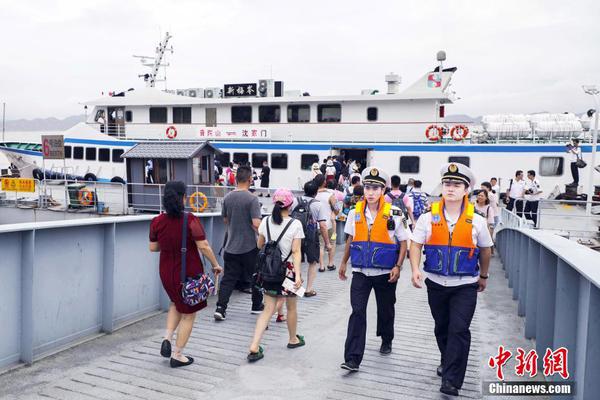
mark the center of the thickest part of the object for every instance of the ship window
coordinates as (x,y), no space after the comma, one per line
(211,117)
(409,164)
(279,160)
(372,114)
(182,115)
(258,158)
(551,166)
(241,114)
(460,159)
(298,113)
(67,151)
(78,153)
(307,160)
(158,115)
(240,158)
(90,153)
(116,155)
(128,116)
(224,158)
(329,112)
(104,155)
(269,113)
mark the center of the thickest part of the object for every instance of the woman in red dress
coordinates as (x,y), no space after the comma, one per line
(166,238)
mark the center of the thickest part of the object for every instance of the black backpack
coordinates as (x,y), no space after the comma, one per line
(270,265)
(398,201)
(303,214)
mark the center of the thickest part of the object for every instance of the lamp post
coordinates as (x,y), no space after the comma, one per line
(594,92)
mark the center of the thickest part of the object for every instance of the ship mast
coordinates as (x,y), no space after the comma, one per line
(151,78)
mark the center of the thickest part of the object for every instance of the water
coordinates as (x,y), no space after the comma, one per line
(23,136)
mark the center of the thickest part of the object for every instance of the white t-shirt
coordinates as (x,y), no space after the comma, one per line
(517,189)
(330,170)
(324,197)
(575,153)
(481,238)
(494,202)
(534,186)
(488,212)
(399,233)
(295,231)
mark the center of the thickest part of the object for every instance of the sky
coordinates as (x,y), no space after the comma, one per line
(512,56)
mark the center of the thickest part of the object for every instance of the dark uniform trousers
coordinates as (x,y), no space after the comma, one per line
(238,267)
(452,308)
(385,295)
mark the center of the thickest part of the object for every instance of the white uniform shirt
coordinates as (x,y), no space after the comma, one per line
(575,153)
(481,238)
(517,189)
(399,233)
(535,187)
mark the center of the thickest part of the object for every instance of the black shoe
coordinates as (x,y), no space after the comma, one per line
(448,388)
(350,366)
(386,348)
(175,363)
(257,310)
(219,314)
(439,370)
(165,348)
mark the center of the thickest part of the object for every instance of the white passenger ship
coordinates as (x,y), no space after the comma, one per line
(256,121)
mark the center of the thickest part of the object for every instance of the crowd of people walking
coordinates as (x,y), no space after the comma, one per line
(383,218)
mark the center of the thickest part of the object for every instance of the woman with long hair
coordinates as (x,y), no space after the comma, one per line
(483,206)
(290,247)
(166,237)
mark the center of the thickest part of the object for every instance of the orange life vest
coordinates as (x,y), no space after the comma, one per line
(452,254)
(373,248)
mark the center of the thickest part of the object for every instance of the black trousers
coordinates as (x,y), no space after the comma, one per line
(515,204)
(531,211)
(237,268)
(385,295)
(575,173)
(452,309)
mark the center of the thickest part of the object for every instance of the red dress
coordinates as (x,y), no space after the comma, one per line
(166,231)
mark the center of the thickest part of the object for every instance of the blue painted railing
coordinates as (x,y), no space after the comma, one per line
(557,285)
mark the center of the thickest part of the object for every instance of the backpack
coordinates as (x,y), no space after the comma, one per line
(269,263)
(303,214)
(420,203)
(398,201)
(230,177)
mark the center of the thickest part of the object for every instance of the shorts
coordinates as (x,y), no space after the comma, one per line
(310,251)
(330,234)
(275,289)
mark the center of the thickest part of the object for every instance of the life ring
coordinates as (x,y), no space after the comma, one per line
(459,132)
(171,132)
(85,197)
(434,137)
(198,207)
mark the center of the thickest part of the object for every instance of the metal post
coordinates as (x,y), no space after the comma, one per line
(3,118)
(594,92)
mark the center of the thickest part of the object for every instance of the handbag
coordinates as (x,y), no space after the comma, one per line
(580,163)
(194,290)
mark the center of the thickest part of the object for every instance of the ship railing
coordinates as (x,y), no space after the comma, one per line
(568,217)
(556,283)
(19,198)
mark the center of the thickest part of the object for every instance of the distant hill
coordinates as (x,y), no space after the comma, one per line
(41,124)
(462,118)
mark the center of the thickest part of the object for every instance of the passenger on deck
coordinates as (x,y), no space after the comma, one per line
(328,200)
(457,256)
(166,238)
(533,194)
(376,245)
(515,193)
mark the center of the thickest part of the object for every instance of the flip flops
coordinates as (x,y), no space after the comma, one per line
(310,293)
(331,267)
(299,344)
(252,357)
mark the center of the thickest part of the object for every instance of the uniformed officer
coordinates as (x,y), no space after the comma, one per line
(376,245)
(457,256)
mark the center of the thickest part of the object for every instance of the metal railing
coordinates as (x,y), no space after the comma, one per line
(557,285)
(568,216)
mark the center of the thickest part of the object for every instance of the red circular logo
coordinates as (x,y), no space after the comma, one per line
(171,132)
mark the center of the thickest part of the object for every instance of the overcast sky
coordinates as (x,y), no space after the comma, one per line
(512,56)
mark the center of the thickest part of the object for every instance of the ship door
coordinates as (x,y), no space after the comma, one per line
(116,121)
(360,155)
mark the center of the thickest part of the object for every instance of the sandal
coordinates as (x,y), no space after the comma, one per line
(252,357)
(299,344)
(280,318)
(310,293)
(321,269)
(331,267)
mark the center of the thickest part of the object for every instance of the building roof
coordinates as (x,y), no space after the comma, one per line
(170,150)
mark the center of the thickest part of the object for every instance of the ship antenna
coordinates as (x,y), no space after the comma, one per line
(151,78)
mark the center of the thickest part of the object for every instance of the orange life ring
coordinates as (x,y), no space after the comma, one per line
(434,137)
(459,132)
(194,204)
(171,132)
(85,197)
